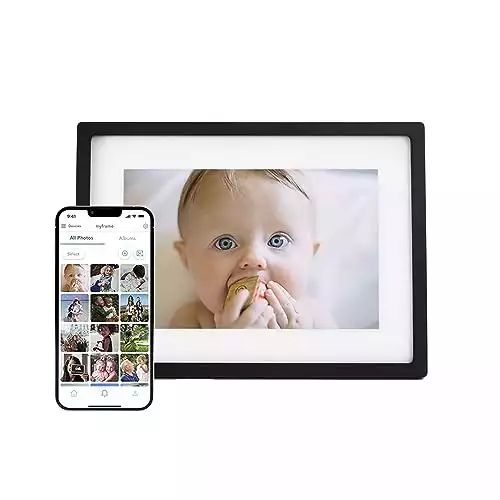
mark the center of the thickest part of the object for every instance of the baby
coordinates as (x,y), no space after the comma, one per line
(109,310)
(99,374)
(237,224)
(74,278)
(103,281)
(142,368)
(111,371)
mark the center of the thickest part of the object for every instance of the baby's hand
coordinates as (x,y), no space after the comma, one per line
(288,311)
(76,285)
(257,315)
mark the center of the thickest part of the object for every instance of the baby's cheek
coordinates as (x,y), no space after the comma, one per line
(211,291)
(293,279)
(212,298)
(210,276)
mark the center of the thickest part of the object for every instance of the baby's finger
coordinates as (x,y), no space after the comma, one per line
(272,323)
(286,302)
(250,315)
(279,312)
(280,288)
(263,320)
(232,308)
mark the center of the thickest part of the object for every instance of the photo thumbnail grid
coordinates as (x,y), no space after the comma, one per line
(104,324)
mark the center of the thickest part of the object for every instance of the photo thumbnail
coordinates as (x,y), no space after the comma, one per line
(104,278)
(74,338)
(75,368)
(134,368)
(104,368)
(134,338)
(104,308)
(74,307)
(134,308)
(103,337)
(74,277)
(134,278)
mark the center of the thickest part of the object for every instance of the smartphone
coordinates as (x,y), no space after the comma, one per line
(104,308)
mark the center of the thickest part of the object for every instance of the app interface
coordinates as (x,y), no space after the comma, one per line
(105,328)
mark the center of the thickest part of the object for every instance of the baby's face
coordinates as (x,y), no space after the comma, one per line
(110,367)
(74,274)
(264,229)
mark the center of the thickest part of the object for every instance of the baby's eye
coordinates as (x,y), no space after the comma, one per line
(279,240)
(225,243)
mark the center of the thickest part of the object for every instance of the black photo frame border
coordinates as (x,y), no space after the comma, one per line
(415,131)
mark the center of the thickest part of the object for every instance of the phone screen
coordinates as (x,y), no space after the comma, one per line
(104,307)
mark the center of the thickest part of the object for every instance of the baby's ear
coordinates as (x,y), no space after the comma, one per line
(316,246)
(180,248)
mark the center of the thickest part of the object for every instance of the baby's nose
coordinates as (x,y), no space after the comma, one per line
(253,260)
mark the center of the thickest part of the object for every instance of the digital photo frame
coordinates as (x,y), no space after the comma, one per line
(322,224)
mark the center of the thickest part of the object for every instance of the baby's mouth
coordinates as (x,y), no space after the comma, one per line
(255,285)
(231,281)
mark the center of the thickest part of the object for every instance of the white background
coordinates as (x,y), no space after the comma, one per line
(222,60)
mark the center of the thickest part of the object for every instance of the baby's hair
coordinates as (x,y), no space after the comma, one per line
(229,179)
(69,266)
(141,359)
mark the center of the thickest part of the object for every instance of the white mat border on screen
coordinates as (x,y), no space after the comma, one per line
(389,155)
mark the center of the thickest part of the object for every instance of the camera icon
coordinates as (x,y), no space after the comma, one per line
(124,254)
